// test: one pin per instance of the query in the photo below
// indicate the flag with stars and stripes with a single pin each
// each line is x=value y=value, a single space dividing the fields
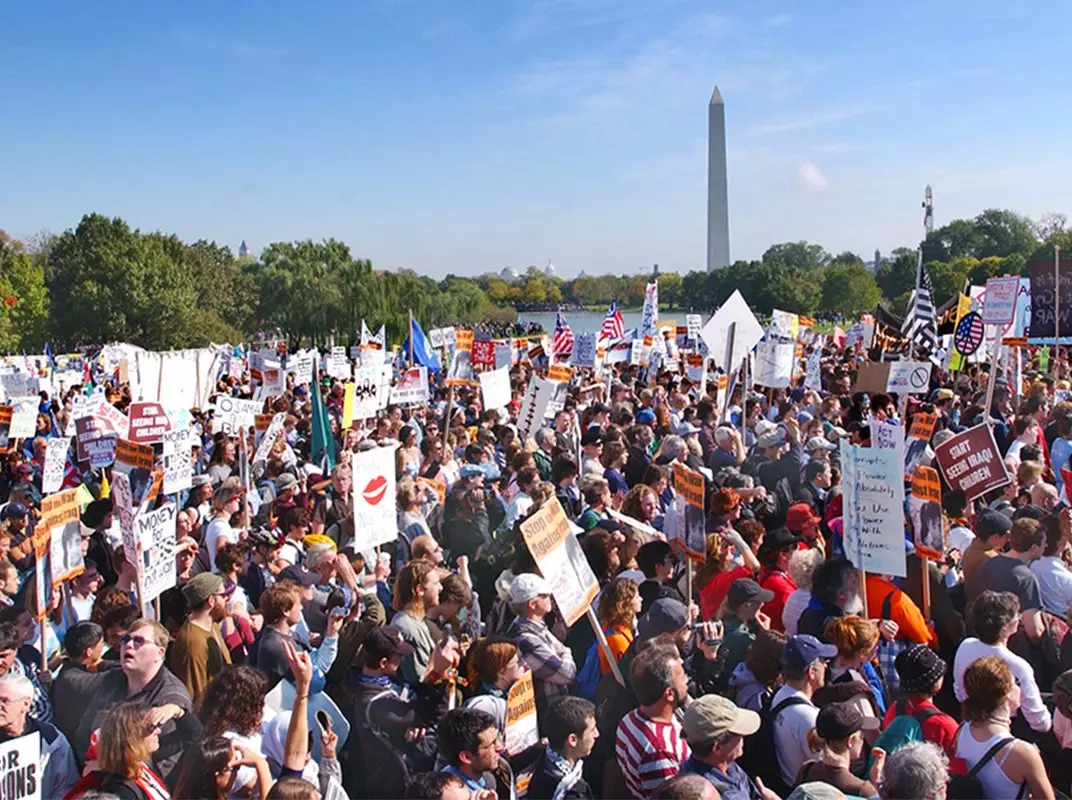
x=562 y=344
x=920 y=324
x=613 y=323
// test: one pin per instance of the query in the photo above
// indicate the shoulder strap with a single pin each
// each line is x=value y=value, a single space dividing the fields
x=988 y=756
x=924 y=714
x=787 y=703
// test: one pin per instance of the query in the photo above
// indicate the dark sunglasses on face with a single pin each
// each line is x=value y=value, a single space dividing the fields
x=137 y=641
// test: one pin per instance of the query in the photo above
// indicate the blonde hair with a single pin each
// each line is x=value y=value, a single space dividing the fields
x=159 y=632
x=123 y=742
x=616 y=603
x=851 y=635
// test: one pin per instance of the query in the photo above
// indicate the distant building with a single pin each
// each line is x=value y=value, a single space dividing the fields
x=509 y=274
x=549 y=270
x=873 y=266
x=243 y=250
x=655 y=271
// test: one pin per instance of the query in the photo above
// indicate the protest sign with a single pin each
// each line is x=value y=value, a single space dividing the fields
x=155 y=532
x=275 y=427
x=908 y=377
x=302 y=365
x=338 y=364
x=1044 y=296
x=372 y=388
x=435 y=338
x=114 y=419
x=374 y=498
x=636 y=352
x=784 y=324
x=58 y=533
x=147 y=423
x=873 y=509
x=5 y=426
x=522 y=731
x=460 y=372
x=95 y=441
x=584 y=351
x=559 y=372
x=233 y=415
x=690 y=530
x=21 y=770
x=972 y=463
x=55 y=464
x=813 y=378
x=694 y=367
x=495 y=386
x=412 y=387
x=24 y=417
x=463 y=339
x=136 y=461
x=178 y=460
x=620 y=353
x=925 y=510
x=557 y=553
x=747 y=332
x=692 y=326
x=999 y=302
x=534 y=406
x=504 y=354
x=872 y=378
x=649 y=315
x=482 y=354
x=774 y=364
x=923 y=426
x=16 y=384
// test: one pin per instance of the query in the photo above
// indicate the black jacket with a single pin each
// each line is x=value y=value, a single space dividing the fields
x=545 y=779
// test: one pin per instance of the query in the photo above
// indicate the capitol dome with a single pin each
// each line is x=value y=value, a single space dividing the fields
x=509 y=274
x=549 y=270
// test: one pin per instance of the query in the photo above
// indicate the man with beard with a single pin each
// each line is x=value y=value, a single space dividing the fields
x=835 y=592
x=649 y=747
x=199 y=653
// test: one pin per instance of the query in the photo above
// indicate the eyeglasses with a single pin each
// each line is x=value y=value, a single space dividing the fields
x=137 y=641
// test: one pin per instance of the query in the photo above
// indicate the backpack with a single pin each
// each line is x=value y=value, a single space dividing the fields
x=590 y=672
x=967 y=787
x=903 y=728
x=760 y=757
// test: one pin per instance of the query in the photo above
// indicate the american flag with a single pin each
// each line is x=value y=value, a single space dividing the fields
x=613 y=323
x=920 y=324
x=562 y=345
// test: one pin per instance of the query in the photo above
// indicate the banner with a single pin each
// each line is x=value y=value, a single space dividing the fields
x=649 y=318
x=374 y=498
x=482 y=354
x=21 y=771
x=55 y=465
x=495 y=386
x=155 y=532
x=971 y=462
x=557 y=553
x=925 y=510
x=522 y=731
x=412 y=387
x=774 y=364
x=691 y=520
x=59 y=534
x=148 y=423
x=873 y=509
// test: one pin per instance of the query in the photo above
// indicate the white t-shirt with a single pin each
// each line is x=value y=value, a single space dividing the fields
x=1031 y=705
x=1055 y=584
x=791 y=733
x=216 y=528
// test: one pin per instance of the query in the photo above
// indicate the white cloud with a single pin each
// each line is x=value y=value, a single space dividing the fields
x=811 y=177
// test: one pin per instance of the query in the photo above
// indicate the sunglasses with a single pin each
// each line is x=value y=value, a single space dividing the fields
x=137 y=641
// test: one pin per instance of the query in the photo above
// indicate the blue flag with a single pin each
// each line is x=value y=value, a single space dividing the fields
x=423 y=352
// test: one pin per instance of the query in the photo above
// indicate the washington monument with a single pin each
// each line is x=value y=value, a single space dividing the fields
x=718 y=210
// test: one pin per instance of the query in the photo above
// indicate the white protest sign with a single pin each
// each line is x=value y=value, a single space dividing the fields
x=909 y=377
x=55 y=464
x=693 y=323
x=746 y=335
x=275 y=428
x=232 y=415
x=21 y=771
x=999 y=307
x=412 y=387
x=504 y=354
x=785 y=323
x=435 y=338
x=495 y=386
x=557 y=553
x=584 y=351
x=155 y=532
x=374 y=498
x=636 y=351
x=774 y=364
x=24 y=417
x=534 y=405
x=338 y=364
x=813 y=379
x=177 y=458
x=123 y=503
x=372 y=388
x=460 y=371
x=873 y=509
x=113 y=418
x=16 y=385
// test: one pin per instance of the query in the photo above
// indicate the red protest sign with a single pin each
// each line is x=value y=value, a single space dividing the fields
x=483 y=354
x=971 y=462
x=148 y=423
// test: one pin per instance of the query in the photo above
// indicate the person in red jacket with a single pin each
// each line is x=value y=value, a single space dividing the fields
x=774 y=554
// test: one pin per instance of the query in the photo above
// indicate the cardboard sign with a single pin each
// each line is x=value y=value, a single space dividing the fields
x=21 y=770
x=557 y=553
x=909 y=377
x=873 y=509
x=148 y=423
x=482 y=354
x=522 y=731
x=155 y=532
x=463 y=339
x=999 y=306
x=55 y=464
x=925 y=510
x=691 y=532
x=972 y=463
x=374 y=498
x=495 y=386
x=872 y=378
x=923 y=426
x=560 y=373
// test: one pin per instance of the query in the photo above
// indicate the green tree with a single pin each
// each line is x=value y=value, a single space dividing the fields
x=1003 y=233
x=24 y=314
x=848 y=290
x=802 y=255
x=670 y=285
x=897 y=274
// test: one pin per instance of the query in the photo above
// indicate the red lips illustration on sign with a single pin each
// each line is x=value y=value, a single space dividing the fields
x=375 y=490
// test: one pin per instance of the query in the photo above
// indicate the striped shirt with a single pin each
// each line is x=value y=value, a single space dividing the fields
x=648 y=752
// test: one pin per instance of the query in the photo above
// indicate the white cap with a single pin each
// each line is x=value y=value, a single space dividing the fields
x=527 y=586
x=765 y=426
x=819 y=443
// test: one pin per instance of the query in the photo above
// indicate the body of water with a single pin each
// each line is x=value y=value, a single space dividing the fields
x=592 y=321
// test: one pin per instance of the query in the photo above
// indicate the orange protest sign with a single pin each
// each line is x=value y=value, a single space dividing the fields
x=262 y=421
x=923 y=426
x=438 y=487
x=689 y=485
x=57 y=510
x=560 y=373
x=1014 y=341
x=136 y=456
x=463 y=339
x=522 y=731
x=925 y=510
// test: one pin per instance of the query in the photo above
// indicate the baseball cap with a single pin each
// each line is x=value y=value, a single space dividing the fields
x=645 y=416
x=838 y=721
x=687 y=429
x=470 y=471
x=816 y=790
x=992 y=523
x=819 y=443
x=800 y=516
x=300 y=574
x=712 y=715
x=772 y=439
x=803 y=649
x=14 y=511
x=201 y=587
x=528 y=586
x=285 y=481
x=779 y=538
x=665 y=615
x=594 y=435
x=383 y=642
x=744 y=590
x=765 y=426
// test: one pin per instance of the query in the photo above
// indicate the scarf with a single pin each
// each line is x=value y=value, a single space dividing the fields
x=571 y=774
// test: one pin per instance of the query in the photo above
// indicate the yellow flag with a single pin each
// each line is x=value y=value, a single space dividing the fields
x=956 y=360
x=348 y=405
x=105 y=488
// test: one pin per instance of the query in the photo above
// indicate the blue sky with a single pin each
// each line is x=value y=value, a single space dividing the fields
x=464 y=136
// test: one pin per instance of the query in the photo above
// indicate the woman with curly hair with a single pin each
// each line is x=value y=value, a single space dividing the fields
x=725 y=510
x=856 y=639
x=108 y=598
x=718 y=572
x=642 y=504
x=760 y=674
x=619 y=605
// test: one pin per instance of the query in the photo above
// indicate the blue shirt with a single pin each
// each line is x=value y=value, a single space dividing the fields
x=732 y=785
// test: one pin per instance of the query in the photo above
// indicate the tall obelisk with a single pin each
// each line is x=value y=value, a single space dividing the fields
x=718 y=209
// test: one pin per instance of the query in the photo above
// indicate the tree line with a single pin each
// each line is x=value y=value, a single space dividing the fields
x=105 y=281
